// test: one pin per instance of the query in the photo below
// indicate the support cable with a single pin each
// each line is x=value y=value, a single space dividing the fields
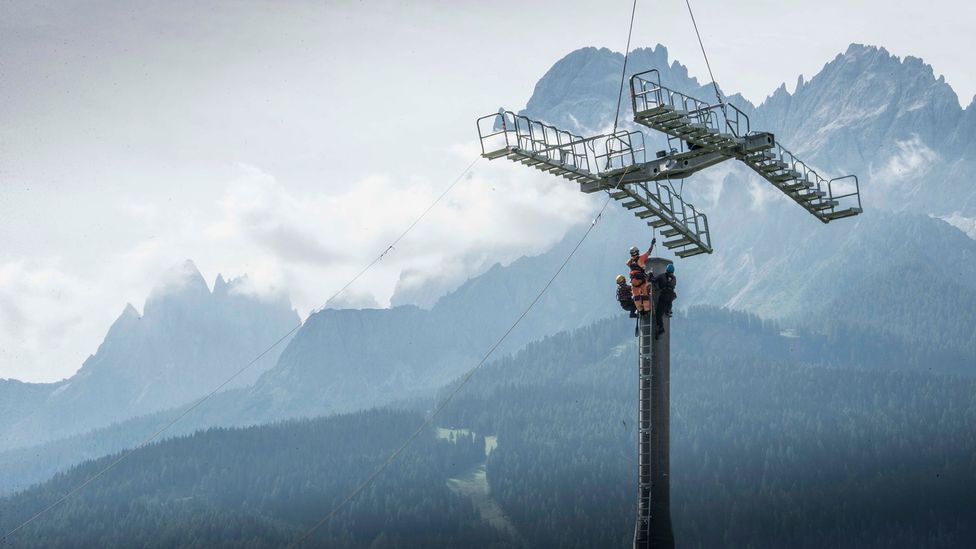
x=718 y=95
x=464 y=380
x=199 y=402
x=623 y=73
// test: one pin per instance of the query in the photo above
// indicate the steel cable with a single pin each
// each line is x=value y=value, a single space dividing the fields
x=464 y=380
x=236 y=374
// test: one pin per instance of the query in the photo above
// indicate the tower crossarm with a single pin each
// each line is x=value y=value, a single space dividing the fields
x=693 y=125
x=684 y=227
x=550 y=149
x=702 y=125
x=826 y=199
x=614 y=163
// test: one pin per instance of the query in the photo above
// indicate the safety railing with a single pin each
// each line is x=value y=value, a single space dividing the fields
x=505 y=132
x=846 y=194
x=806 y=173
x=647 y=93
x=842 y=190
x=618 y=151
x=676 y=211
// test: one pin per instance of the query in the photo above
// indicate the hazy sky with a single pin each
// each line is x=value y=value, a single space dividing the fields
x=292 y=140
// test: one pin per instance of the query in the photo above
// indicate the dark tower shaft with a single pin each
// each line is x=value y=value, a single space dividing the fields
x=653 y=527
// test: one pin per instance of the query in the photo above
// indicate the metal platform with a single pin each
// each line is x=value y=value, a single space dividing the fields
x=613 y=163
x=724 y=129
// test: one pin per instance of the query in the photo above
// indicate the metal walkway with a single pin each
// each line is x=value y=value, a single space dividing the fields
x=695 y=125
x=699 y=135
x=614 y=163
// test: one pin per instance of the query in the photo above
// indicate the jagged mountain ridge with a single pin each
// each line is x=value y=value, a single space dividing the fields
x=889 y=120
x=771 y=256
x=188 y=340
x=761 y=238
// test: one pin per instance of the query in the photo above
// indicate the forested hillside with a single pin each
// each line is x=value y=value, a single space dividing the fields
x=263 y=487
x=775 y=443
x=780 y=438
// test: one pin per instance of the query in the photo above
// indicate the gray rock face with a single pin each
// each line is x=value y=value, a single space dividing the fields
x=188 y=340
x=771 y=257
x=866 y=112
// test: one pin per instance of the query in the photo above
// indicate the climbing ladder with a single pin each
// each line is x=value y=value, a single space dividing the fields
x=644 y=433
x=724 y=129
x=614 y=163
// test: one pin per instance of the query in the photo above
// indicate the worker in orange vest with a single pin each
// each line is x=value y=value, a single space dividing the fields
x=639 y=280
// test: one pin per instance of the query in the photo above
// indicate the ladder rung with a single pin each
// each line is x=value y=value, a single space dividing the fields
x=691 y=252
x=843 y=213
x=811 y=196
x=823 y=205
x=798 y=186
x=653 y=111
x=677 y=242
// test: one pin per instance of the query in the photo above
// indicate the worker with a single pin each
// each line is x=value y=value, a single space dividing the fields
x=639 y=279
x=664 y=285
x=625 y=296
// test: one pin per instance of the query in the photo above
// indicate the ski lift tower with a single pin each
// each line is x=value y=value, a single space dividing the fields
x=699 y=135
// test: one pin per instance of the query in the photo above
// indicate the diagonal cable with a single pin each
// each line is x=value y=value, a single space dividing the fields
x=623 y=72
x=464 y=380
x=705 y=55
x=236 y=374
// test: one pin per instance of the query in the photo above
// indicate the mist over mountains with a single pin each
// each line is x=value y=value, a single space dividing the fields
x=188 y=340
x=771 y=258
x=891 y=290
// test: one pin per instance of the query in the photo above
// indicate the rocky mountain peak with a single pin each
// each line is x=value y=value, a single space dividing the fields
x=220 y=287
x=129 y=311
x=124 y=324
x=181 y=283
x=586 y=81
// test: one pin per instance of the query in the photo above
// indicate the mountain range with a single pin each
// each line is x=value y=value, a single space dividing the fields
x=897 y=269
x=187 y=341
x=899 y=276
x=779 y=439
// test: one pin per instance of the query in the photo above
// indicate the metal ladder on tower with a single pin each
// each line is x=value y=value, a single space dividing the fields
x=642 y=533
x=614 y=163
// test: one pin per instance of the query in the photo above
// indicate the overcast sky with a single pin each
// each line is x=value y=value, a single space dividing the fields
x=293 y=140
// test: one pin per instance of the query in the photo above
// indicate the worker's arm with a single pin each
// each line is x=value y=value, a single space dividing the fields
x=646 y=255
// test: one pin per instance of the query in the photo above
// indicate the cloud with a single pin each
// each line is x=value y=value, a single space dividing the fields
x=318 y=240
x=354 y=299
x=909 y=160
x=305 y=243
x=964 y=224
x=31 y=291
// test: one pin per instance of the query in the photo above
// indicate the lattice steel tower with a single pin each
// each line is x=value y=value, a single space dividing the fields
x=699 y=135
